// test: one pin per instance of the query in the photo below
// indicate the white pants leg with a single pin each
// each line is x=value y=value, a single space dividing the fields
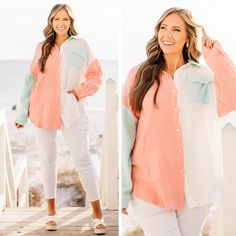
x=157 y=221
x=154 y=220
x=191 y=220
x=46 y=142
x=77 y=139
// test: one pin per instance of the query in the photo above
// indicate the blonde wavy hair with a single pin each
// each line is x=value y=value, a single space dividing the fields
x=150 y=70
x=50 y=35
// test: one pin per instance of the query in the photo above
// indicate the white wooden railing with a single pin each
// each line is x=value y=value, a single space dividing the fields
x=109 y=165
x=13 y=177
x=223 y=219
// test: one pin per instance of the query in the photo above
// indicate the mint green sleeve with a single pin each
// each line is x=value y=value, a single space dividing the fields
x=129 y=125
x=22 y=116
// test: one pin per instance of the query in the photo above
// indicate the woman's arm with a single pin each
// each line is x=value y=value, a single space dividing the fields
x=93 y=76
x=93 y=81
x=224 y=75
x=23 y=116
x=129 y=125
x=30 y=81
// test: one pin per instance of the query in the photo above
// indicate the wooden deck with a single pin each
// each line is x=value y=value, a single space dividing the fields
x=72 y=221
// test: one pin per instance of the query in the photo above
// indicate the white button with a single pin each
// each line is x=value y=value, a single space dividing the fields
x=175 y=109
x=177 y=130
x=180 y=150
x=181 y=171
x=173 y=91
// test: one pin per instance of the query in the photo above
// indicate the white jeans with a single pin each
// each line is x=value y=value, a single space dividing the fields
x=77 y=139
x=157 y=221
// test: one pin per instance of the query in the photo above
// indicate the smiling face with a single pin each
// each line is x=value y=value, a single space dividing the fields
x=61 y=23
x=172 y=34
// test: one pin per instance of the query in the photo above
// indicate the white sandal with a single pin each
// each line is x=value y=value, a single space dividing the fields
x=51 y=227
x=95 y=223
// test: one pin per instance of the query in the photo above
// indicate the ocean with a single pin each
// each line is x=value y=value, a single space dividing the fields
x=12 y=75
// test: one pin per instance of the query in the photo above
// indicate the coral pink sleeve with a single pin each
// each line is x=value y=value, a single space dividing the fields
x=93 y=80
x=129 y=83
x=224 y=78
x=34 y=67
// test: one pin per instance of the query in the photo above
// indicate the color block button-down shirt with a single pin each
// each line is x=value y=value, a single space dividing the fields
x=45 y=98
x=169 y=153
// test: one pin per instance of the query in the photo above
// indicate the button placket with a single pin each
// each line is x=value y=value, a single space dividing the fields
x=179 y=143
x=58 y=83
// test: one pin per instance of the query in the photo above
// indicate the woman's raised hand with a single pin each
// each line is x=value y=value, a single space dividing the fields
x=206 y=40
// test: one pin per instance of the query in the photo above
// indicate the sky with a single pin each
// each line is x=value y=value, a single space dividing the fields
x=139 y=19
x=23 y=21
x=114 y=29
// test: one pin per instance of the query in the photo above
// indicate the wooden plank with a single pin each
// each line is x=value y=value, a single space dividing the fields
x=70 y=209
x=72 y=221
x=56 y=233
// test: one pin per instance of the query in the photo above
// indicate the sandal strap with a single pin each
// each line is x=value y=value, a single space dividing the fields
x=51 y=218
x=97 y=222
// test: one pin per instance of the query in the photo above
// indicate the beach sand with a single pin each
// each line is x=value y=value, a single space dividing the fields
x=69 y=189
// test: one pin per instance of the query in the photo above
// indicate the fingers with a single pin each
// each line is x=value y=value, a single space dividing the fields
x=18 y=126
x=124 y=211
x=207 y=41
x=211 y=43
x=75 y=94
x=204 y=38
x=204 y=32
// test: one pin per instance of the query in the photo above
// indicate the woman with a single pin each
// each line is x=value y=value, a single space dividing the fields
x=62 y=74
x=171 y=168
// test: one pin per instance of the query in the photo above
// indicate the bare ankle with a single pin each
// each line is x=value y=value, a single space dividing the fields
x=97 y=214
x=51 y=211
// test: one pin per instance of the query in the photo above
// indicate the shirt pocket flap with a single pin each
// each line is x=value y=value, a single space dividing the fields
x=202 y=79
x=199 y=88
x=76 y=57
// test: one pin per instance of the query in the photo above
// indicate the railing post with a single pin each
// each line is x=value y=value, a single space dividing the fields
x=223 y=218
x=13 y=181
x=109 y=167
x=2 y=162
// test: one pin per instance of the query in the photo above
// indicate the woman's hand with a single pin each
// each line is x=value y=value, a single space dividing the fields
x=124 y=211
x=18 y=126
x=74 y=93
x=206 y=40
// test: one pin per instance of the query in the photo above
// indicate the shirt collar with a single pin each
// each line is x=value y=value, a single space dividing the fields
x=190 y=62
x=72 y=37
x=193 y=63
x=67 y=40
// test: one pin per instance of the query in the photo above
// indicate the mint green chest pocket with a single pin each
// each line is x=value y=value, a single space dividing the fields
x=76 y=57
x=199 y=88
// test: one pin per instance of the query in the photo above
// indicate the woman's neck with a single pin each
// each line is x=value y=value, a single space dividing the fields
x=172 y=63
x=61 y=39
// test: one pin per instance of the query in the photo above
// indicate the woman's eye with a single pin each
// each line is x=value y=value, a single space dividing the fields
x=178 y=30
x=162 y=27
